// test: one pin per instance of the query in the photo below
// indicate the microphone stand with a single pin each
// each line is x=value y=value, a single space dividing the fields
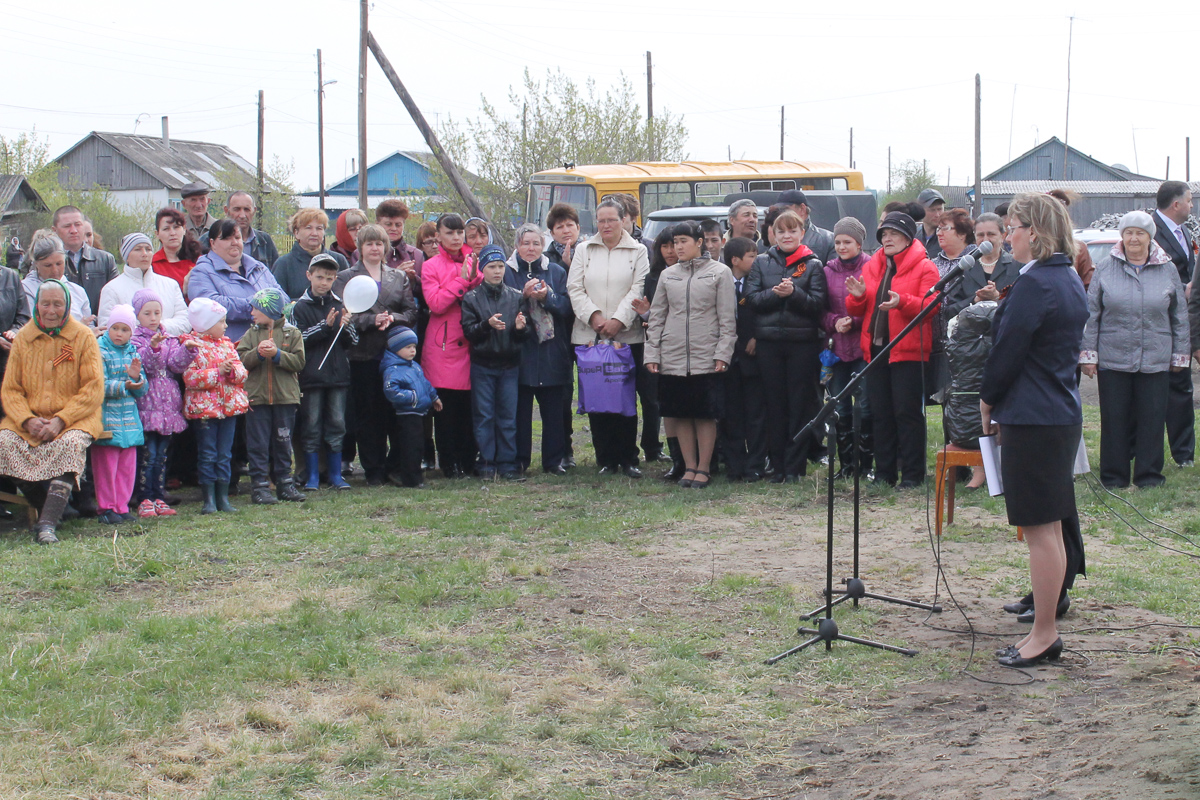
x=855 y=589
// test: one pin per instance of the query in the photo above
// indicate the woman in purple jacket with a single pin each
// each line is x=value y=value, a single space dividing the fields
x=845 y=333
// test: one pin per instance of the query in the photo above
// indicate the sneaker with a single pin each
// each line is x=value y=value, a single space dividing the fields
x=128 y=517
x=107 y=517
x=146 y=508
x=163 y=509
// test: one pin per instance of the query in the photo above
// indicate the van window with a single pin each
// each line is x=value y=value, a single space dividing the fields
x=712 y=193
x=657 y=196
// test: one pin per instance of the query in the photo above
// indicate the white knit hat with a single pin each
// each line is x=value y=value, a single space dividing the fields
x=203 y=313
x=1138 y=219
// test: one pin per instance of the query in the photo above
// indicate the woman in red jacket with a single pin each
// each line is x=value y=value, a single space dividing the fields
x=890 y=294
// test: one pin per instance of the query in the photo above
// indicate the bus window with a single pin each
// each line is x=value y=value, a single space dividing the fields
x=712 y=193
x=657 y=196
x=840 y=184
x=771 y=186
x=544 y=195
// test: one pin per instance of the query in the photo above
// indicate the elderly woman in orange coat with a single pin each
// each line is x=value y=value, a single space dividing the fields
x=52 y=393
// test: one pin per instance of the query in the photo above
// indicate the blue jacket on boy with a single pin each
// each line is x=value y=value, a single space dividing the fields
x=404 y=382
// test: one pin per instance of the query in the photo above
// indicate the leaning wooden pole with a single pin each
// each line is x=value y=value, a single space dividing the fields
x=456 y=178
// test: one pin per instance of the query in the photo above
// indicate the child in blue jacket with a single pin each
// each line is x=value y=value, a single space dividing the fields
x=413 y=396
x=114 y=461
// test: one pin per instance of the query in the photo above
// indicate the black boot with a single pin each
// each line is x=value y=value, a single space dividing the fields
x=287 y=491
x=845 y=449
x=208 y=491
x=260 y=494
x=222 y=497
x=677 y=465
x=866 y=450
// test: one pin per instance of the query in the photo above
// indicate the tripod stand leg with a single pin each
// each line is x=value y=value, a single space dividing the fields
x=878 y=645
x=816 y=612
x=794 y=650
x=910 y=603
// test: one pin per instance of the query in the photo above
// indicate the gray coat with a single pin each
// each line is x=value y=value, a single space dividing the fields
x=1137 y=318
x=692 y=318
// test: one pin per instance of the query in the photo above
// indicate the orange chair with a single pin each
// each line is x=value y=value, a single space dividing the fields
x=946 y=461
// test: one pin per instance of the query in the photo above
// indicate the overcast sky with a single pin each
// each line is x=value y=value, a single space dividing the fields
x=899 y=75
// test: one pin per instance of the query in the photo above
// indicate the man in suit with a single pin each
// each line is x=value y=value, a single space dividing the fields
x=1174 y=206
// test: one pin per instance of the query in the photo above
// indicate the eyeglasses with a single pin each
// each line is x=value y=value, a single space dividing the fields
x=1011 y=228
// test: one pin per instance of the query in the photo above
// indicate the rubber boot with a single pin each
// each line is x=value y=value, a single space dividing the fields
x=334 y=460
x=677 y=465
x=222 y=497
x=260 y=494
x=313 y=463
x=286 y=490
x=208 y=491
x=866 y=449
x=845 y=449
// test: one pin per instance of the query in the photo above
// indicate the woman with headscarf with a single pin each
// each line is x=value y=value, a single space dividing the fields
x=1137 y=334
x=346 y=233
x=52 y=393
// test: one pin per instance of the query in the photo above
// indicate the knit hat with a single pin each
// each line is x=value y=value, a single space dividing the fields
x=400 y=337
x=897 y=221
x=269 y=301
x=490 y=253
x=852 y=228
x=930 y=196
x=143 y=296
x=122 y=314
x=131 y=241
x=1138 y=219
x=203 y=313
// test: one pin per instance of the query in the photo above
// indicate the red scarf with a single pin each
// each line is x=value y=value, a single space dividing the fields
x=794 y=260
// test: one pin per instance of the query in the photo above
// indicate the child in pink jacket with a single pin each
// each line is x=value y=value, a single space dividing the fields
x=446 y=358
x=214 y=396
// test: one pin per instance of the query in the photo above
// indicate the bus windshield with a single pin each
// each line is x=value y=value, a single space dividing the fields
x=581 y=196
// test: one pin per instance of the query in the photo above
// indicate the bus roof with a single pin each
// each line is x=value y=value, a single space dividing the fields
x=640 y=170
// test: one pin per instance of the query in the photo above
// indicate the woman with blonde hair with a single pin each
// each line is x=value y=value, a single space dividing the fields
x=1030 y=399
x=308 y=225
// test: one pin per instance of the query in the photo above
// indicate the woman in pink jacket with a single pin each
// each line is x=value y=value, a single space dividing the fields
x=446 y=358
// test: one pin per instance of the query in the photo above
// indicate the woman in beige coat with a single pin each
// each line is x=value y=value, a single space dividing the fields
x=689 y=342
x=607 y=275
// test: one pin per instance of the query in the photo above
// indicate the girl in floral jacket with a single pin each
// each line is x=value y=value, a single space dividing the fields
x=163 y=358
x=214 y=396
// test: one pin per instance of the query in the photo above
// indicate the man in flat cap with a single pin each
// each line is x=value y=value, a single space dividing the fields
x=195 y=206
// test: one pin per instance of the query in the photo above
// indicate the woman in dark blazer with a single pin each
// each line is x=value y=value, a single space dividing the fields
x=991 y=275
x=1029 y=389
x=369 y=415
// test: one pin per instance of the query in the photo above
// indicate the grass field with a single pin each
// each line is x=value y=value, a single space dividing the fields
x=480 y=641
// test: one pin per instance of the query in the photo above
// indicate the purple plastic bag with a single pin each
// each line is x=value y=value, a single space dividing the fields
x=607 y=379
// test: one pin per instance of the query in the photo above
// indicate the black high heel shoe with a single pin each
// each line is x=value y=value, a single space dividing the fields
x=1008 y=650
x=1051 y=653
x=696 y=485
x=686 y=483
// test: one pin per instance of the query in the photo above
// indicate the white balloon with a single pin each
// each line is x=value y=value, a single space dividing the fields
x=360 y=294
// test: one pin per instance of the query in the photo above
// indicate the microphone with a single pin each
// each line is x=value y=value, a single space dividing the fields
x=964 y=264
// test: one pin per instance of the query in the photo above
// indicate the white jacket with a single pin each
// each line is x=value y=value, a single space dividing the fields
x=607 y=281
x=121 y=289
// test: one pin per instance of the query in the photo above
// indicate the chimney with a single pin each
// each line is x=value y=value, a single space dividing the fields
x=166 y=137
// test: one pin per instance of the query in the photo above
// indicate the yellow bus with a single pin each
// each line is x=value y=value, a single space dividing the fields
x=659 y=185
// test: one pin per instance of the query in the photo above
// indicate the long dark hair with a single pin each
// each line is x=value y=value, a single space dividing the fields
x=657 y=262
x=189 y=249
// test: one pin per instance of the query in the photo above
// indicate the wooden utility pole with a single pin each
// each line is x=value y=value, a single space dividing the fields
x=1187 y=159
x=889 y=169
x=978 y=146
x=262 y=119
x=320 y=133
x=1168 y=168
x=650 y=105
x=852 y=148
x=447 y=164
x=363 y=33
x=1067 y=127
x=781 y=133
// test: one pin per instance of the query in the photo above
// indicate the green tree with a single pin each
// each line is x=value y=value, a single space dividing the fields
x=909 y=179
x=545 y=124
x=29 y=155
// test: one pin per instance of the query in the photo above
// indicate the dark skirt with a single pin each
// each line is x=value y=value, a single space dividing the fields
x=691 y=396
x=1037 y=467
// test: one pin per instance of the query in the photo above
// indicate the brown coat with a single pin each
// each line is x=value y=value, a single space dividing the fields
x=33 y=386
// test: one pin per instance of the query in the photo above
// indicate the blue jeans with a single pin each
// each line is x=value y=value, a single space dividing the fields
x=152 y=477
x=494 y=408
x=323 y=418
x=214 y=441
